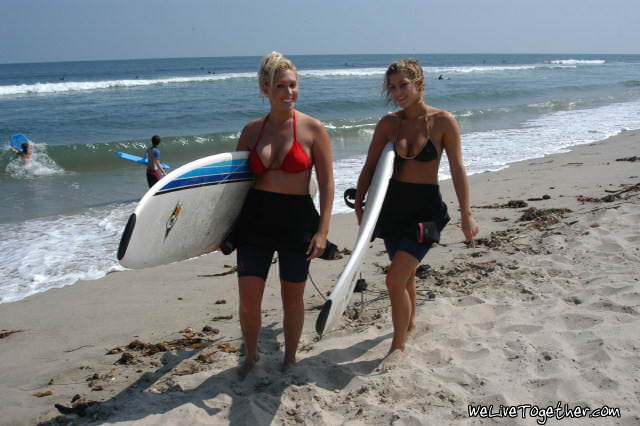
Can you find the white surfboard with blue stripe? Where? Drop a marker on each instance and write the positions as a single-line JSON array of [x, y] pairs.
[[188, 212]]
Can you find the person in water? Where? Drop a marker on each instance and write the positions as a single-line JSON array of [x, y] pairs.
[[25, 152], [413, 213], [279, 214], [155, 172]]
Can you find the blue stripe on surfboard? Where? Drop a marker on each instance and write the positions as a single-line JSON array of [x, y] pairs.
[[211, 179], [237, 166]]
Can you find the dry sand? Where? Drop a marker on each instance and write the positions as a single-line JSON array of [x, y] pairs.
[[544, 312]]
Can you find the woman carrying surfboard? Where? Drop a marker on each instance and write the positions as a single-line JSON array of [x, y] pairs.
[[413, 213], [279, 214]]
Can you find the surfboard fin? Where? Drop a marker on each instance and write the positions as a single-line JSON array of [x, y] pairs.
[[361, 286], [321, 322], [126, 236]]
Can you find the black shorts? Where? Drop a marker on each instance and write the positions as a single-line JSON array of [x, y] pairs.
[[153, 176], [255, 262], [399, 242]]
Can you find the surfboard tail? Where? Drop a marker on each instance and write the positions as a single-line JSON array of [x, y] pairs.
[[321, 322]]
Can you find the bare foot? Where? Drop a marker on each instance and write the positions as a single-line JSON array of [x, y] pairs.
[[411, 332], [246, 367], [392, 360], [287, 366]]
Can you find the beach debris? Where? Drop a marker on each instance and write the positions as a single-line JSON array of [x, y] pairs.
[[221, 274], [495, 239], [544, 197], [220, 347], [222, 317], [383, 268], [423, 271], [97, 378], [127, 358], [221, 302], [613, 195], [79, 406], [499, 219], [542, 218], [513, 204], [41, 394], [190, 340], [584, 199], [631, 159], [7, 333], [79, 347]]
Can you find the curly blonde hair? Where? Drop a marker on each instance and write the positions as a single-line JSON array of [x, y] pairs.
[[269, 67], [412, 67]]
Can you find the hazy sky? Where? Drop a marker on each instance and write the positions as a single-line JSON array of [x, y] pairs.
[[63, 30]]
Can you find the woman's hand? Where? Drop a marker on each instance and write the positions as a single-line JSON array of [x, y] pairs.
[[469, 229], [359, 212], [317, 246]]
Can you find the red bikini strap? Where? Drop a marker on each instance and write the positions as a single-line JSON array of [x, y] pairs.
[[295, 137]]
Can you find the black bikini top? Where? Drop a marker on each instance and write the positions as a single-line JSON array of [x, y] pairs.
[[429, 152]]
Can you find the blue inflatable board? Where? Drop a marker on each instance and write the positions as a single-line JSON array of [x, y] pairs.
[[137, 159], [17, 140]]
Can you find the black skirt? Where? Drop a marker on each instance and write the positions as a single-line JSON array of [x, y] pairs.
[[408, 204], [277, 221]]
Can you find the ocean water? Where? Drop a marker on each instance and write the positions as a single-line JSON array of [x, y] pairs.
[[63, 213]]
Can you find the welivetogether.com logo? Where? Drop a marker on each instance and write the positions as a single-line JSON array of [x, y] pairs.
[[542, 414]]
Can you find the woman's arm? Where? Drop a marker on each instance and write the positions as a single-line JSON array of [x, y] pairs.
[[323, 163], [243, 140], [453, 146]]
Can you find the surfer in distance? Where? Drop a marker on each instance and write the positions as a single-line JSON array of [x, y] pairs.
[[278, 213], [25, 152], [155, 172], [413, 204]]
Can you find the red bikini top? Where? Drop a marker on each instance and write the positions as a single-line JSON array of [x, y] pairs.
[[295, 161]]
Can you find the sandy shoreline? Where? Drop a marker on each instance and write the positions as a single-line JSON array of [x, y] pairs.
[[544, 311]]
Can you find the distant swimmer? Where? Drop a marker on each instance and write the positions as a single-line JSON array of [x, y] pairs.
[[26, 152], [154, 168], [443, 78], [63, 78]]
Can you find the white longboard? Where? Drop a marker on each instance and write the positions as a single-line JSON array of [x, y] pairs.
[[187, 213], [339, 297]]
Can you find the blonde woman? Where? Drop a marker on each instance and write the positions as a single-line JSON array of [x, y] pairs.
[[413, 213], [279, 214]]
